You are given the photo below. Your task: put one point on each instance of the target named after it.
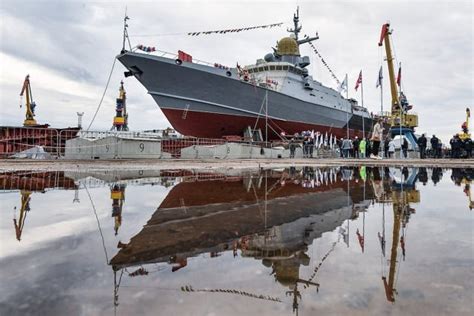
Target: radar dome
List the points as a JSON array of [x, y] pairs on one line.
[[288, 46], [269, 57]]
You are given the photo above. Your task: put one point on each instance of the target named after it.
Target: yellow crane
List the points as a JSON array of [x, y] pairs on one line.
[[400, 121], [465, 135], [30, 104], [467, 191], [401, 199], [24, 209], [117, 194], [121, 116]]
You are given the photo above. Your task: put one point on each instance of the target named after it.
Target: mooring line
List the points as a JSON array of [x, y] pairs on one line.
[[103, 94], [98, 224]]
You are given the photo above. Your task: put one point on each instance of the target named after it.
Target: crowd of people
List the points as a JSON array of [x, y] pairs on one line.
[[377, 147], [458, 145]]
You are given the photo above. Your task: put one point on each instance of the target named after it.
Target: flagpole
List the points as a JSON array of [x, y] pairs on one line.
[[347, 113], [400, 106], [266, 118], [381, 94], [362, 100]]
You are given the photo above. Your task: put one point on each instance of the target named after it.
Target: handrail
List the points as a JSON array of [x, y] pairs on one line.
[[174, 56]]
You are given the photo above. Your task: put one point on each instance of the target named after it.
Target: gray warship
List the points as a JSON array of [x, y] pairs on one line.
[[276, 94]]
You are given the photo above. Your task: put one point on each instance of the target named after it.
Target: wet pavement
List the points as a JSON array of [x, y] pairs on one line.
[[287, 241]]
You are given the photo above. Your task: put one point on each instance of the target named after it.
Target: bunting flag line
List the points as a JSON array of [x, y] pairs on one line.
[[399, 76], [359, 81], [379, 79], [235, 30], [324, 63], [197, 33]]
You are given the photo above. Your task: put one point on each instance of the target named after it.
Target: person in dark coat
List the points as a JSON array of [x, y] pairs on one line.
[[355, 146], [368, 147], [405, 147], [422, 145], [292, 147], [468, 147], [339, 144], [385, 146], [455, 143], [452, 143], [434, 147]]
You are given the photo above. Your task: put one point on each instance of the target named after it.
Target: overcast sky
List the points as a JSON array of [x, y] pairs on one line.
[[68, 48]]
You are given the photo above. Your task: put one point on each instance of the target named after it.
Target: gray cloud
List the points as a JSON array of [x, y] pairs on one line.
[[78, 40]]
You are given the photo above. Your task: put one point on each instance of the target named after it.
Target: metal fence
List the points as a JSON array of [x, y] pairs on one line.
[[30, 181], [50, 143], [34, 142]]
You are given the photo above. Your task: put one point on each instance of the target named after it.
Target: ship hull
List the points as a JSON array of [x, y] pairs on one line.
[[205, 101]]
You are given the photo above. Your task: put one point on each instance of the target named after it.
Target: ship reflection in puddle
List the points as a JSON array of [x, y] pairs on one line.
[[273, 216]]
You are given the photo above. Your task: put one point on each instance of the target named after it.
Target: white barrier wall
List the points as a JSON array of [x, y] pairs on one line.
[[113, 147], [78, 148], [235, 151]]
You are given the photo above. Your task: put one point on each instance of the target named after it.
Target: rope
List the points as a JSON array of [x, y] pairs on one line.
[[98, 225], [103, 94], [316, 269], [189, 288]]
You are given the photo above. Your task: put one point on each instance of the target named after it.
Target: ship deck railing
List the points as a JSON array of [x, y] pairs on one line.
[[162, 53], [94, 135]]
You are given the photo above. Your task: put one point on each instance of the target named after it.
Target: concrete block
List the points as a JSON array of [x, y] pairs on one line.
[[78, 148], [138, 148]]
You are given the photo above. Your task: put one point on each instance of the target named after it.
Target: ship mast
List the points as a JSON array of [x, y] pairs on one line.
[[125, 32], [296, 19], [297, 28]]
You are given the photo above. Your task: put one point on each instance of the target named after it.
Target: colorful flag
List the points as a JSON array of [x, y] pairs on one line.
[[146, 48], [359, 81], [399, 77], [379, 79]]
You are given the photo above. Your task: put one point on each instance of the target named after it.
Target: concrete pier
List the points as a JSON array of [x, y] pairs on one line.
[[214, 164]]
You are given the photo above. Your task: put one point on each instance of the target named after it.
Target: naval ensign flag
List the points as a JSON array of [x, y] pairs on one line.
[[343, 86], [379, 79]]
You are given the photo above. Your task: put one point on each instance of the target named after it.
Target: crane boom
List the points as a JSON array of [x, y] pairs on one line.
[[399, 117], [384, 37]]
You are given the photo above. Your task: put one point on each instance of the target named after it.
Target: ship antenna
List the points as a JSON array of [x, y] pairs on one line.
[[296, 19], [125, 32]]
